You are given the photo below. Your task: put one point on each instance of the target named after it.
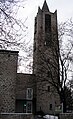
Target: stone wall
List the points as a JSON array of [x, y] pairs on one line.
[[23, 82], [66, 116], [16, 116], [8, 71]]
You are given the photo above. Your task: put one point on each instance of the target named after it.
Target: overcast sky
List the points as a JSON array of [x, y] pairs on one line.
[[64, 7], [64, 11]]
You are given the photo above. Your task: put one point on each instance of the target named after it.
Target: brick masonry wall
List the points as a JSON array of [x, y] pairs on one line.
[[23, 82], [66, 116], [8, 70], [16, 116]]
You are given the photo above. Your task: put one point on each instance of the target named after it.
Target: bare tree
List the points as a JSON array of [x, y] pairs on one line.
[[8, 30], [58, 63], [13, 29], [65, 60]]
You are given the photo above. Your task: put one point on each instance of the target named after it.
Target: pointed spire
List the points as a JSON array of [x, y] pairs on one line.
[[39, 10], [45, 6]]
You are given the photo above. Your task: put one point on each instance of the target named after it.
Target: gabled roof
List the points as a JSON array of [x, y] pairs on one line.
[[45, 7]]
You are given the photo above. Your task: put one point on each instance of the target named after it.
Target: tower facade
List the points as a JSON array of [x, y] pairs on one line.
[[46, 59]]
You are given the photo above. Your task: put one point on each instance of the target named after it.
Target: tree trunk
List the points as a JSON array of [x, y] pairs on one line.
[[64, 106], [63, 100]]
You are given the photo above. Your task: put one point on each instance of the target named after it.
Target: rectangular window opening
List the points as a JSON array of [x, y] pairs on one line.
[[48, 88], [29, 94], [23, 106], [48, 29], [29, 107], [47, 23], [50, 107]]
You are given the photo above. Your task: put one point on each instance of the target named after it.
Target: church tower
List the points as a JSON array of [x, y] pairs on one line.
[[46, 59]]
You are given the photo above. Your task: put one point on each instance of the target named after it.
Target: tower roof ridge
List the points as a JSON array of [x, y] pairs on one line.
[[45, 6]]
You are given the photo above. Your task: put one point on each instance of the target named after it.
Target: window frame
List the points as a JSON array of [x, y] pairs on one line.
[[28, 109], [29, 94]]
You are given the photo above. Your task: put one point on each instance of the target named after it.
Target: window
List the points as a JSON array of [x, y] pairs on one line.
[[25, 107], [29, 93], [48, 88], [28, 107], [47, 23], [50, 107], [48, 29]]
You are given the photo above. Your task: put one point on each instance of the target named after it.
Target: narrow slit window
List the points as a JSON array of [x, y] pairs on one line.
[[50, 107], [48, 88], [29, 93]]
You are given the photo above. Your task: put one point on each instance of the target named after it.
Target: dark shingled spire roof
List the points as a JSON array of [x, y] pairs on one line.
[[45, 6], [39, 10]]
